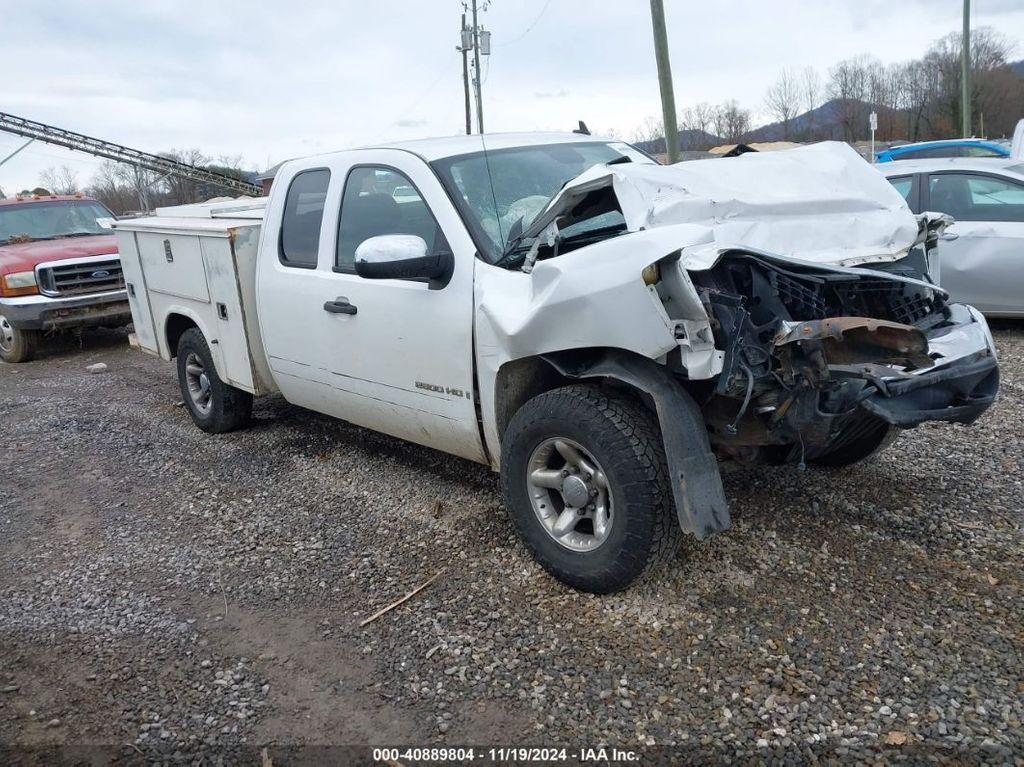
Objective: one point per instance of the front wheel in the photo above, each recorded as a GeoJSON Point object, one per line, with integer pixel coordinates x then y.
{"type": "Point", "coordinates": [215, 406]}
{"type": "Point", "coordinates": [16, 345]}
{"type": "Point", "coordinates": [585, 482]}
{"type": "Point", "coordinates": [875, 437]}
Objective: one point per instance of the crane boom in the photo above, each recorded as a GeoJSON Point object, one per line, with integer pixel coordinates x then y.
{"type": "Point", "coordinates": [70, 140]}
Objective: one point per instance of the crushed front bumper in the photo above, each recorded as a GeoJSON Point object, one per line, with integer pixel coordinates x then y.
{"type": "Point", "coordinates": [899, 373]}
{"type": "Point", "coordinates": [959, 387]}
{"type": "Point", "coordinates": [44, 313]}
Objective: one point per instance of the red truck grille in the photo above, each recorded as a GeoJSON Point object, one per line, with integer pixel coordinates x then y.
{"type": "Point", "coordinates": [82, 278]}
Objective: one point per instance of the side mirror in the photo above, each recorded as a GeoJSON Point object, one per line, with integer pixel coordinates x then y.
{"type": "Point", "coordinates": [403, 257]}
{"type": "Point", "coordinates": [105, 222]}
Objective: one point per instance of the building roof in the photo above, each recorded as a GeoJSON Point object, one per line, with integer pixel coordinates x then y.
{"type": "Point", "coordinates": [269, 173]}
{"type": "Point", "coordinates": [757, 146]}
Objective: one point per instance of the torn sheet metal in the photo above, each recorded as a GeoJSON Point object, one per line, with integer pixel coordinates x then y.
{"type": "Point", "coordinates": [859, 340]}
{"type": "Point", "coordinates": [821, 203]}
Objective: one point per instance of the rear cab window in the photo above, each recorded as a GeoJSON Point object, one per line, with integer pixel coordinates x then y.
{"type": "Point", "coordinates": [303, 213]}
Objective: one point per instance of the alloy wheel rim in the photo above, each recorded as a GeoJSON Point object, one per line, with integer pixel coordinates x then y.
{"type": "Point", "coordinates": [198, 382]}
{"type": "Point", "coordinates": [569, 492]}
{"type": "Point", "coordinates": [6, 334]}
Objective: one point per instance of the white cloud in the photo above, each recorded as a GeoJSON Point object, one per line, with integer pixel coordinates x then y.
{"type": "Point", "coordinates": [271, 81]}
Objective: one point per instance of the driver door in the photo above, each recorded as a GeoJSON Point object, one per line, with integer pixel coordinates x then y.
{"type": "Point", "coordinates": [399, 358]}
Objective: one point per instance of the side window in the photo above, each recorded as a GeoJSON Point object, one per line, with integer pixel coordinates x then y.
{"type": "Point", "coordinates": [903, 185]}
{"type": "Point", "coordinates": [980, 151]}
{"type": "Point", "coordinates": [303, 213]}
{"type": "Point", "coordinates": [378, 201]}
{"type": "Point", "coordinates": [935, 151]}
{"type": "Point", "coordinates": [976, 197]}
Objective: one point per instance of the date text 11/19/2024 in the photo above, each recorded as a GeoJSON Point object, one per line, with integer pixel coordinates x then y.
{"type": "Point", "coordinates": [502, 754]}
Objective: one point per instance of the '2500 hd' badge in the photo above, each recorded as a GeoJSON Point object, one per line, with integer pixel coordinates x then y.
{"type": "Point", "coordinates": [450, 390]}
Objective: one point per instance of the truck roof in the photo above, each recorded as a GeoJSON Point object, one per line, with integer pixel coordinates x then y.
{"type": "Point", "coordinates": [431, 149]}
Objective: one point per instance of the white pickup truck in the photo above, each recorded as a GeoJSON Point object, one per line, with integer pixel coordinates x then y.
{"type": "Point", "coordinates": [601, 329]}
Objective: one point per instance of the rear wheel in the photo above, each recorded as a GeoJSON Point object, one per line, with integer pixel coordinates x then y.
{"type": "Point", "coordinates": [215, 406]}
{"type": "Point", "coordinates": [585, 482]}
{"type": "Point", "coordinates": [16, 345]}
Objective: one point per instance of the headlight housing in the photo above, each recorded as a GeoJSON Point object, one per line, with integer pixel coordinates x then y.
{"type": "Point", "coordinates": [18, 284]}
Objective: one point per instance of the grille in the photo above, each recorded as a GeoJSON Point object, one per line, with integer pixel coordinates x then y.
{"type": "Point", "coordinates": [889, 300]}
{"type": "Point", "coordinates": [802, 301]}
{"type": "Point", "coordinates": [82, 278]}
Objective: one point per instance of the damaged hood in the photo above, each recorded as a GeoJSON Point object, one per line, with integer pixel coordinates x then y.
{"type": "Point", "coordinates": [820, 203]}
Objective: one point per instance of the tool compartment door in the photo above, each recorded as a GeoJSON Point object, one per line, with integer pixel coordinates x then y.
{"type": "Point", "coordinates": [138, 296]}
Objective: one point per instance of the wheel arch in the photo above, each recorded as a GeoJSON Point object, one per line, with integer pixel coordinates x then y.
{"type": "Point", "coordinates": [177, 321]}
{"type": "Point", "coordinates": [693, 468]}
{"type": "Point", "coordinates": [175, 325]}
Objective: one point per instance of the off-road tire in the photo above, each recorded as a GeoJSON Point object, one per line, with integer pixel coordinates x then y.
{"type": "Point", "coordinates": [623, 436]}
{"type": "Point", "coordinates": [17, 345]}
{"type": "Point", "coordinates": [230, 408]}
{"type": "Point", "coordinates": [861, 449]}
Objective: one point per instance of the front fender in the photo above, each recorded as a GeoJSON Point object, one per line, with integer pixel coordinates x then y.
{"type": "Point", "coordinates": [696, 482]}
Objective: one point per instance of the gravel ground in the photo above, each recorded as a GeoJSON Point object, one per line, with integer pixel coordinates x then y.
{"type": "Point", "coordinates": [166, 591]}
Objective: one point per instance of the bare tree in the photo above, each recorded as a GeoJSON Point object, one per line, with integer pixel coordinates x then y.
{"type": "Point", "coordinates": [650, 129]}
{"type": "Point", "coordinates": [992, 92]}
{"type": "Point", "coordinates": [810, 85]}
{"type": "Point", "coordinates": [63, 180]}
{"type": "Point", "coordinates": [182, 191]}
{"type": "Point", "coordinates": [783, 99]}
{"type": "Point", "coordinates": [123, 188]}
{"type": "Point", "coordinates": [848, 86]}
{"type": "Point", "coordinates": [696, 123]}
{"type": "Point", "coordinates": [732, 122]}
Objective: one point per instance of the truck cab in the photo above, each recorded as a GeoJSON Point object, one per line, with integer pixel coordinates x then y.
{"type": "Point", "coordinates": [59, 268]}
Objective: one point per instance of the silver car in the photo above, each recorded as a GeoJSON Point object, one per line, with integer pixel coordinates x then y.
{"type": "Point", "coordinates": [982, 255]}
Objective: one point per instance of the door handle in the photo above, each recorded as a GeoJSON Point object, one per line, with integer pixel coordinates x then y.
{"type": "Point", "coordinates": [340, 306]}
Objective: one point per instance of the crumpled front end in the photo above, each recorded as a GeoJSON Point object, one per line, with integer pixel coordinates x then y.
{"type": "Point", "coordinates": [818, 358]}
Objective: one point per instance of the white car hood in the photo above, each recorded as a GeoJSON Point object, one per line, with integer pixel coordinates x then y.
{"type": "Point", "coordinates": [820, 203]}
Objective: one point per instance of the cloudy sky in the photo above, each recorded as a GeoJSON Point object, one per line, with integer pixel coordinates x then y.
{"type": "Point", "coordinates": [271, 80]}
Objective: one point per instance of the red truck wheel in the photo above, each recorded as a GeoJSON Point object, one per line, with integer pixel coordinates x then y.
{"type": "Point", "coordinates": [16, 345]}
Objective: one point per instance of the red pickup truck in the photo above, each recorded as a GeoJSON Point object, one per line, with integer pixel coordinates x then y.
{"type": "Point", "coordinates": [59, 268]}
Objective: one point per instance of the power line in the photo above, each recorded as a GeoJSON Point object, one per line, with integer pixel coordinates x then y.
{"type": "Point", "coordinates": [445, 69]}
{"type": "Point", "coordinates": [529, 29]}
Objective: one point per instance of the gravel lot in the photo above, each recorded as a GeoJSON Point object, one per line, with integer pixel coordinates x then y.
{"type": "Point", "coordinates": [164, 590]}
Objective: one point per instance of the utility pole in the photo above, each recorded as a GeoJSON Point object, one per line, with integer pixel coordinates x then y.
{"type": "Point", "coordinates": [478, 40]}
{"type": "Point", "coordinates": [465, 43]}
{"type": "Point", "coordinates": [965, 73]}
{"type": "Point", "coordinates": [668, 99]}
{"type": "Point", "coordinates": [476, 72]}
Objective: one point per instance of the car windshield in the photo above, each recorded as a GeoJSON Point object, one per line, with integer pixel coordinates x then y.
{"type": "Point", "coordinates": [50, 220]}
{"type": "Point", "coordinates": [500, 193]}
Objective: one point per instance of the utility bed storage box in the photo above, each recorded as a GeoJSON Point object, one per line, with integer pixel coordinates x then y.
{"type": "Point", "coordinates": [196, 264]}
